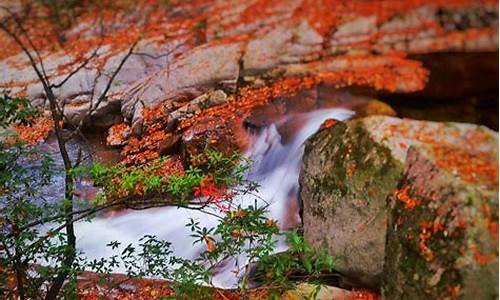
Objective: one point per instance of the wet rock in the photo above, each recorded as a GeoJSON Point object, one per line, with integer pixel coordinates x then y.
{"type": "Point", "coordinates": [349, 170]}
{"type": "Point", "coordinates": [474, 100]}
{"type": "Point", "coordinates": [301, 102]}
{"type": "Point", "coordinates": [263, 116]}
{"type": "Point", "coordinates": [169, 143]}
{"type": "Point", "coordinates": [210, 134]}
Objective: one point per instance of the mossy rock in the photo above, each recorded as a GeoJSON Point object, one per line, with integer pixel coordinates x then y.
{"type": "Point", "coordinates": [345, 179]}
{"type": "Point", "coordinates": [442, 239]}
{"type": "Point", "coordinates": [350, 169]}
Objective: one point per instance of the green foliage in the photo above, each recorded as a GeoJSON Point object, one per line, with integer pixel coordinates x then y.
{"type": "Point", "coordinates": [15, 110]}
{"type": "Point", "coordinates": [163, 176]}
{"type": "Point", "coordinates": [25, 250]}
{"type": "Point", "coordinates": [240, 232]}
{"type": "Point", "coordinates": [13, 176]}
{"type": "Point", "coordinates": [227, 170]}
{"type": "Point", "coordinates": [301, 258]}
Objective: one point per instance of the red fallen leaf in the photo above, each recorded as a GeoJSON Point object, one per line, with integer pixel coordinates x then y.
{"type": "Point", "coordinates": [328, 123]}
{"type": "Point", "coordinates": [208, 189]}
{"type": "Point", "coordinates": [484, 259]}
{"type": "Point", "coordinates": [35, 132]}
{"type": "Point", "coordinates": [363, 294]}
{"type": "Point", "coordinates": [210, 244]}
{"type": "Point", "coordinates": [402, 195]}
{"type": "Point", "coordinates": [351, 169]}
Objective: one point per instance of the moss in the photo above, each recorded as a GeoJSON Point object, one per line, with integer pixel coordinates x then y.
{"type": "Point", "coordinates": [348, 175]}
{"type": "Point", "coordinates": [375, 172]}
{"type": "Point", "coordinates": [451, 272]}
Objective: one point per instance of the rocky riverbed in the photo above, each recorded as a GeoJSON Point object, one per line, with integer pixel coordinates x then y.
{"type": "Point", "coordinates": [393, 105]}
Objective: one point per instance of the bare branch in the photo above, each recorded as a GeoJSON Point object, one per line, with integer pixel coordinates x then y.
{"type": "Point", "coordinates": [78, 69]}
{"type": "Point", "coordinates": [104, 94]}
{"type": "Point", "coordinates": [28, 38]}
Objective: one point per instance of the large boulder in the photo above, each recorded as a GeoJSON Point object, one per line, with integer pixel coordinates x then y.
{"type": "Point", "coordinates": [442, 239]}
{"type": "Point", "coordinates": [349, 170]}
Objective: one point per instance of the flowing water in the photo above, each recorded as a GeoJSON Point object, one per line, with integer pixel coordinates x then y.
{"type": "Point", "coordinates": [276, 169]}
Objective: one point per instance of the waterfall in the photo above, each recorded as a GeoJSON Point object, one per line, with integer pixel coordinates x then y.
{"type": "Point", "coordinates": [276, 166]}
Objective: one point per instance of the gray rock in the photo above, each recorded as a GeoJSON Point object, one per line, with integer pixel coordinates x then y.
{"type": "Point", "coordinates": [348, 172]}
{"type": "Point", "coordinates": [281, 45]}
{"type": "Point", "coordinates": [442, 239]}
{"type": "Point", "coordinates": [190, 76]}
{"type": "Point", "coordinates": [284, 40]}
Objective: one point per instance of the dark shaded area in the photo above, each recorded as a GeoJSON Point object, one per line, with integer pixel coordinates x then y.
{"type": "Point", "coordinates": [462, 87]}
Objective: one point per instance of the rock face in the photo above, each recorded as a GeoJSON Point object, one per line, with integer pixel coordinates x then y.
{"type": "Point", "coordinates": [196, 46]}
{"type": "Point", "coordinates": [442, 239]}
{"type": "Point", "coordinates": [345, 179]}
{"type": "Point", "coordinates": [304, 291]}
{"type": "Point", "coordinates": [349, 171]}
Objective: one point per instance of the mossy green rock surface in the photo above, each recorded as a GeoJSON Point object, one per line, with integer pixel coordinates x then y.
{"type": "Point", "coordinates": [349, 171]}
{"type": "Point", "coordinates": [345, 179]}
{"type": "Point", "coordinates": [442, 239]}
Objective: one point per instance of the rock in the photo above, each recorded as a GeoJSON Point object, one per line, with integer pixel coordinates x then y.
{"type": "Point", "coordinates": [138, 119]}
{"type": "Point", "coordinates": [262, 116]}
{"type": "Point", "coordinates": [305, 291]}
{"type": "Point", "coordinates": [192, 75]}
{"type": "Point", "coordinates": [198, 47]}
{"type": "Point", "coordinates": [283, 44]}
{"type": "Point", "coordinates": [355, 31]}
{"type": "Point", "coordinates": [343, 70]}
{"type": "Point", "coordinates": [169, 143]}
{"type": "Point", "coordinates": [211, 134]}
{"type": "Point", "coordinates": [118, 134]}
{"type": "Point", "coordinates": [345, 179]}
{"type": "Point", "coordinates": [200, 103]}
{"type": "Point", "coordinates": [374, 107]}
{"type": "Point", "coordinates": [442, 240]}
{"type": "Point", "coordinates": [349, 170]}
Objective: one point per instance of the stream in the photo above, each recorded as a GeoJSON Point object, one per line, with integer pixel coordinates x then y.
{"type": "Point", "coordinates": [276, 166]}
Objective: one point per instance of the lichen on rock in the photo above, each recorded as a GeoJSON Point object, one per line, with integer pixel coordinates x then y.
{"type": "Point", "coordinates": [350, 170]}
{"type": "Point", "coordinates": [446, 245]}
{"type": "Point", "coordinates": [345, 178]}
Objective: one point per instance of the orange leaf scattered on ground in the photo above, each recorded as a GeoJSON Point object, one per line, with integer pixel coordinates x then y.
{"type": "Point", "coordinates": [36, 132]}
{"type": "Point", "coordinates": [402, 195]}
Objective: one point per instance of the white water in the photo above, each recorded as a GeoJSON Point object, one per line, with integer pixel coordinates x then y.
{"type": "Point", "coordinates": [276, 169]}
